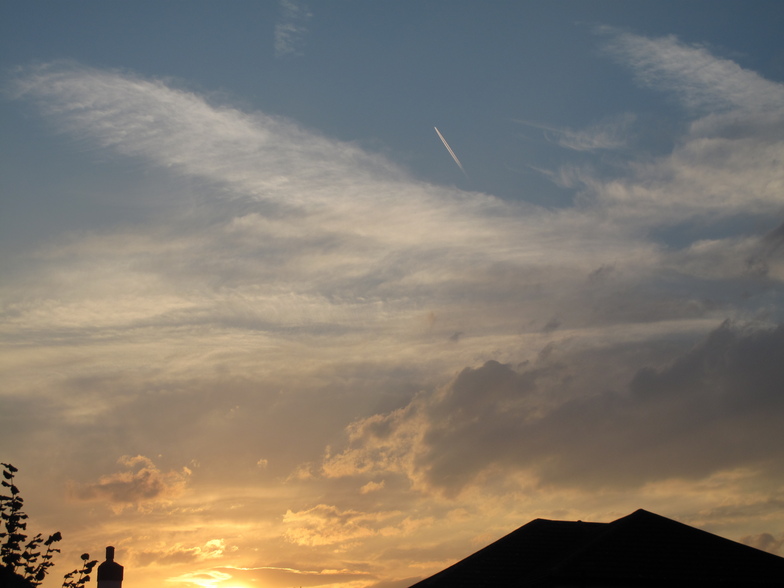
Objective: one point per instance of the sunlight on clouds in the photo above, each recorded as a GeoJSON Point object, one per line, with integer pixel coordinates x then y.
{"type": "Point", "coordinates": [358, 366]}
{"type": "Point", "coordinates": [176, 554]}
{"type": "Point", "coordinates": [327, 525]}
{"type": "Point", "coordinates": [446, 440]}
{"type": "Point", "coordinates": [272, 577]}
{"type": "Point", "coordinates": [372, 487]}
{"type": "Point", "coordinates": [142, 486]}
{"type": "Point", "coordinates": [208, 579]}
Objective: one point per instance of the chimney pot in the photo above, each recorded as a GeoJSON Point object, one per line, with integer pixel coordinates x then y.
{"type": "Point", "coordinates": [110, 573]}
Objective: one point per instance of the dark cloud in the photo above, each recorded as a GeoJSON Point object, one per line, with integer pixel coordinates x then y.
{"type": "Point", "coordinates": [746, 510]}
{"type": "Point", "coordinates": [769, 248]}
{"type": "Point", "coordinates": [714, 408]}
{"type": "Point", "coordinates": [765, 541]}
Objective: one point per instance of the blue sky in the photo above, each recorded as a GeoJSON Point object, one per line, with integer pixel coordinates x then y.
{"type": "Point", "coordinates": [259, 328]}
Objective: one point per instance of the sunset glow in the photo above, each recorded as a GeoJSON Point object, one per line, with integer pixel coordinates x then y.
{"type": "Point", "coordinates": [260, 330]}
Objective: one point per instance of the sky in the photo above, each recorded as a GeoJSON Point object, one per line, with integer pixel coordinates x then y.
{"type": "Point", "coordinates": [260, 329]}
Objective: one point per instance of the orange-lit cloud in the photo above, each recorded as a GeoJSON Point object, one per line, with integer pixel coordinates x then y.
{"type": "Point", "coordinates": [273, 577]}
{"type": "Point", "coordinates": [179, 554]}
{"type": "Point", "coordinates": [326, 525]}
{"type": "Point", "coordinates": [142, 485]}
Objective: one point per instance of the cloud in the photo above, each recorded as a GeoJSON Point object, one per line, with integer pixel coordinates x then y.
{"type": "Point", "coordinates": [722, 168]}
{"type": "Point", "coordinates": [142, 486]}
{"type": "Point", "coordinates": [305, 210]}
{"type": "Point", "coordinates": [258, 154]}
{"type": "Point", "coordinates": [330, 525]}
{"type": "Point", "coordinates": [275, 577]}
{"type": "Point", "coordinates": [609, 134]}
{"type": "Point", "coordinates": [292, 287]}
{"type": "Point", "coordinates": [765, 542]}
{"type": "Point", "coordinates": [715, 408]}
{"type": "Point", "coordinates": [372, 487]}
{"type": "Point", "coordinates": [727, 163]}
{"type": "Point", "coordinates": [298, 239]}
{"type": "Point", "coordinates": [291, 29]}
{"type": "Point", "coordinates": [179, 554]}
{"type": "Point", "coordinates": [698, 78]}
{"type": "Point", "coordinates": [327, 525]}
{"type": "Point", "coordinates": [297, 236]}
{"type": "Point", "coordinates": [403, 583]}
{"type": "Point", "coordinates": [204, 578]}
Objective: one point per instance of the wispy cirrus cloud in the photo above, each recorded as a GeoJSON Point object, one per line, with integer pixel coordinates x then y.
{"type": "Point", "coordinates": [606, 135]}
{"type": "Point", "coordinates": [695, 76]}
{"type": "Point", "coordinates": [258, 154]}
{"type": "Point", "coordinates": [723, 166]}
{"type": "Point", "coordinates": [318, 232]}
{"type": "Point", "coordinates": [291, 28]}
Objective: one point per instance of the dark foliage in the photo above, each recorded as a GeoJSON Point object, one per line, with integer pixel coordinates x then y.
{"type": "Point", "coordinates": [26, 563]}
{"type": "Point", "coordinates": [78, 578]}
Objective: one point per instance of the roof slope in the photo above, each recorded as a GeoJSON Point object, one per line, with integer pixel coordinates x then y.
{"type": "Point", "coordinates": [641, 549]}
{"type": "Point", "coordinates": [536, 546]}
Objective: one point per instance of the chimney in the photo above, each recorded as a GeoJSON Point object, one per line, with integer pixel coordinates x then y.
{"type": "Point", "coordinates": [110, 573]}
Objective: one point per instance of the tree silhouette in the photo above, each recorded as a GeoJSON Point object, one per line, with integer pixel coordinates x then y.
{"type": "Point", "coordinates": [26, 563]}
{"type": "Point", "coordinates": [78, 578]}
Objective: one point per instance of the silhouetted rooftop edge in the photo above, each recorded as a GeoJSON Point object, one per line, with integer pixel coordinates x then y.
{"type": "Point", "coordinates": [640, 549]}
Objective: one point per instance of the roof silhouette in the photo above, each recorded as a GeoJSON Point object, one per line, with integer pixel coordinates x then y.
{"type": "Point", "coordinates": [640, 549]}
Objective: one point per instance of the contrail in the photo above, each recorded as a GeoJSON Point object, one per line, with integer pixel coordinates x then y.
{"type": "Point", "coordinates": [452, 153]}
